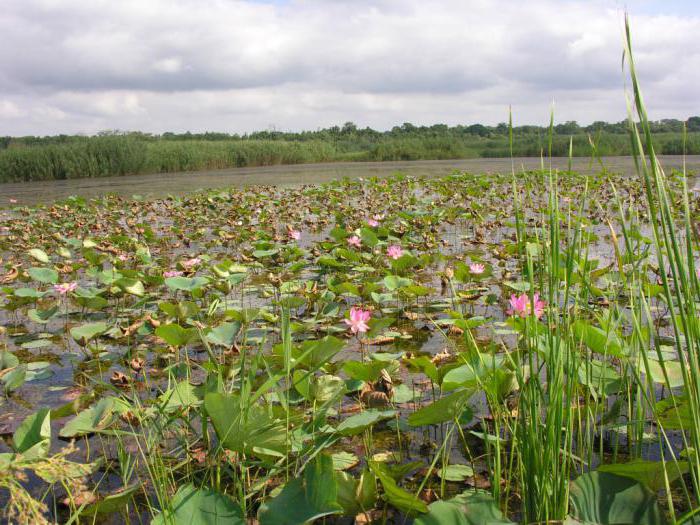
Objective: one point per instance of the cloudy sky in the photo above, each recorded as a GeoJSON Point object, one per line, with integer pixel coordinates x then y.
{"type": "Point", "coordinates": [81, 66]}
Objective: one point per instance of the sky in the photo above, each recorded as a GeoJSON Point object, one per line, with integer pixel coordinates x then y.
{"type": "Point", "coordinates": [84, 66]}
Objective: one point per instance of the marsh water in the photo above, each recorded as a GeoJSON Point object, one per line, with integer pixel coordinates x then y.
{"type": "Point", "coordinates": [162, 184]}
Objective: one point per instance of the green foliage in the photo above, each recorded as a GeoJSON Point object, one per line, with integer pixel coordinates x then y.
{"type": "Point", "coordinates": [602, 498]}
{"type": "Point", "coordinates": [63, 157]}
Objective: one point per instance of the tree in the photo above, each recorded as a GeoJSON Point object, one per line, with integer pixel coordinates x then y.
{"type": "Point", "coordinates": [693, 124]}
{"type": "Point", "coordinates": [570, 127]}
{"type": "Point", "coordinates": [348, 128]}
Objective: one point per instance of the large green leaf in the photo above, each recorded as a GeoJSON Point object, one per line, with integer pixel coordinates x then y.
{"type": "Point", "coordinates": [398, 497]}
{"type": "Point", "coordinates": [599, 377]}
{"type": "Point", "coordinates": [32, 438]}
{"type": "Point", "coordinates": [305, 499]}
{"type": "Point", "coordinates": [186, 284]}
{"type": "Point", "coordinates": [598, 340]}
{"type": "Point", "coordinates": [250, 431]}
{"type": "Point", "coordinates": [42, 316]}
{"type": "Point", "coordinates": [367, 371]}
{"type": "Point", "coordinates": [43, 275]}
{"type": "Point", "coordinates": [131, 286]}
{"type": "Point", "coordinates": [356, 495]}
{"type": "Point", "coordinates": [674, 413]}
{"type": "Point", "coordinates": [183, 395]}
{"type": "Point", "coordinates": [111, 503]}
{"type": "Point", "coordinates": [673, 370]}
{"type": "Point", "coordinates": [315, 354]}
{"type": "Point", "coordinates": [39, 255]}
{"type": "Point", "coordinates": [174, 334]}
{"type": "Point", "coordinates": [200, 506]}
{"type": "Point", "coordinates": [14, 378]}
{"type": "Point", "coordinates": [224, 334]}
{"type": "Point", "coordinates": [85, 333]}
{"type": "Point", "coordinates": [602, 498]}
{"type": "Point", "coordinates": [318, 388]}
{"type": "Point", "coordinates": [394, 282]}
{"type": "Point", "coordinates": [444, 409]}
{"type": "Point", "coordinates": [649, 473]}
{"type": "Point", "coordinates": [359, 422]}
{"type": "Point", "coordinates": [468, 508]}
{"type": "Point", "coordinates": [94, 419]}
{"type": "Point", "coordinates": [8, 360]}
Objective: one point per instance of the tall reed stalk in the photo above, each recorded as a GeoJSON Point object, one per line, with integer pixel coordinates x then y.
{"type": "Point", "coordinates": [674, 242]}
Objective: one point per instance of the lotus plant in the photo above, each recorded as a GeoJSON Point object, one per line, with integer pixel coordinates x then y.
{"type": "Point", "coordinates": [521, 306]}
{"type": "Point", "coordinates": [358, 320]}
{"type": "Point", "coordinates": [394, 251]}
{"type": "Point", "coordinates": [189, 264]}
{"type": "Point", "coordinates": [65, 288]}
{"type": "Point", "coordinates": [476, 268]}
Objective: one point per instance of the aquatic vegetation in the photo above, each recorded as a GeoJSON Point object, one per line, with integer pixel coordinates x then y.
{"type": "Point", "coordinates": [358, 320]}
{"type": "Point", "coordinates": [524, 306]}
{"type": "Point", "coordinates": [68, 157]}
{"type": "Point", "coordinates": [209, 358]}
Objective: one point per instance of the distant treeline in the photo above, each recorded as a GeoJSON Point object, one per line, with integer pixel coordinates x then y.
{"type": "Point", "coordinates": [124, 153]}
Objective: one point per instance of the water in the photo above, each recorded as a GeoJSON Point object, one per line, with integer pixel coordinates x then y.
{"type": "Point", "coordinates": [161, 184]}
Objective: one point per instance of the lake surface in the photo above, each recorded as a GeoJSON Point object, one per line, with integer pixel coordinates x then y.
{"type": "Point", "coordinates": [162, 184]}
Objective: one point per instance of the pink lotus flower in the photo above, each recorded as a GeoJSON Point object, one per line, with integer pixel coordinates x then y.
{"type": "Point", "coordinates": [394, 251]}
{"type": "Point", "coordinates": [354, 241]}
{"type": "Point", "coordinates": [191, 263]}
{"type": "Point", "coordinates": [13, 201]}
{"type": "Point", "coordinates": [477, 268]}
{"type": "Point", "coordinates": [172, 273]}
{"type": "Point", "coordinates": [373, 222]}
{"type": "Point", "coordinates": [358, 320]}
{"type": "Point", "coordinates": [65, 288]}
{"type": "Point", "coordinates": [520, 305]}
{"type": "Point", "coordinates": [123, 257]}
{"type": "Point", "coordinates": [294, 234]}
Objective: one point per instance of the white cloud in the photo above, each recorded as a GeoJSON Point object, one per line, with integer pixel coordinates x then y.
{"type": "Point", "coordinates": [168, 65]}
{"type": "Point", "coordinates": [233, 65]}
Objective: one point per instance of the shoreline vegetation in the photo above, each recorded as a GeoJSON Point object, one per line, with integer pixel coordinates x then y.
{"type": "Point", "coordinates": [116, 153]}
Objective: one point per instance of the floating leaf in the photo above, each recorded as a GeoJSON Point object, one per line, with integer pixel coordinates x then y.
{"type": "Point", "coordinates": [251, 431]}
{"type": "Point", "coordinates": [85, 333]}
{"type": "Point", "coordinates": [650, 473]}
{"type": "Point", "coordinates": [344, 460]}
{"type": "Point", "coordinates": [602, 498]}
{"type": "Point", "coordinates": [200, 506]}
{"type": "Point", "coordinates": [359, 422]}
{"type": "Point", "coordinates": [94, 419]}
{"type": "Point", "coordinates": [32, 438]}
{"type": "Point", "coordinates": [224, 334]}
{"type": "Point", "coordinates": [598, 340]}
{"type": "Point", "coordinates": [43, 275]}
{"type": "Point", "coordinates": [39, 255]}
{"type": "Point", "coordinates": [175, 335]}
{"type": "Point", "coordinates": [303, 500]}
{"type": "Point", "coordinates": [468, 508]}
{"type": "Point", "coordinates": [456, 472]}
{"type": "Point", "coordinates": [398, 497]}
{"type": "Point", "coordinates": [111, 503]}
{"type": "Point", "coordinates": [444, 409]}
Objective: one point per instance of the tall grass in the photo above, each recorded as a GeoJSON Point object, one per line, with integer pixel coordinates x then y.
{"type": "Point", "coordinates": [116, 155]}
{"type": "Point", "coordinates": [674, 242]}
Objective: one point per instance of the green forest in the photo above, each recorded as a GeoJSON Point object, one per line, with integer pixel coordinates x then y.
{"type": "Point", "coordinates": [123, 153]}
